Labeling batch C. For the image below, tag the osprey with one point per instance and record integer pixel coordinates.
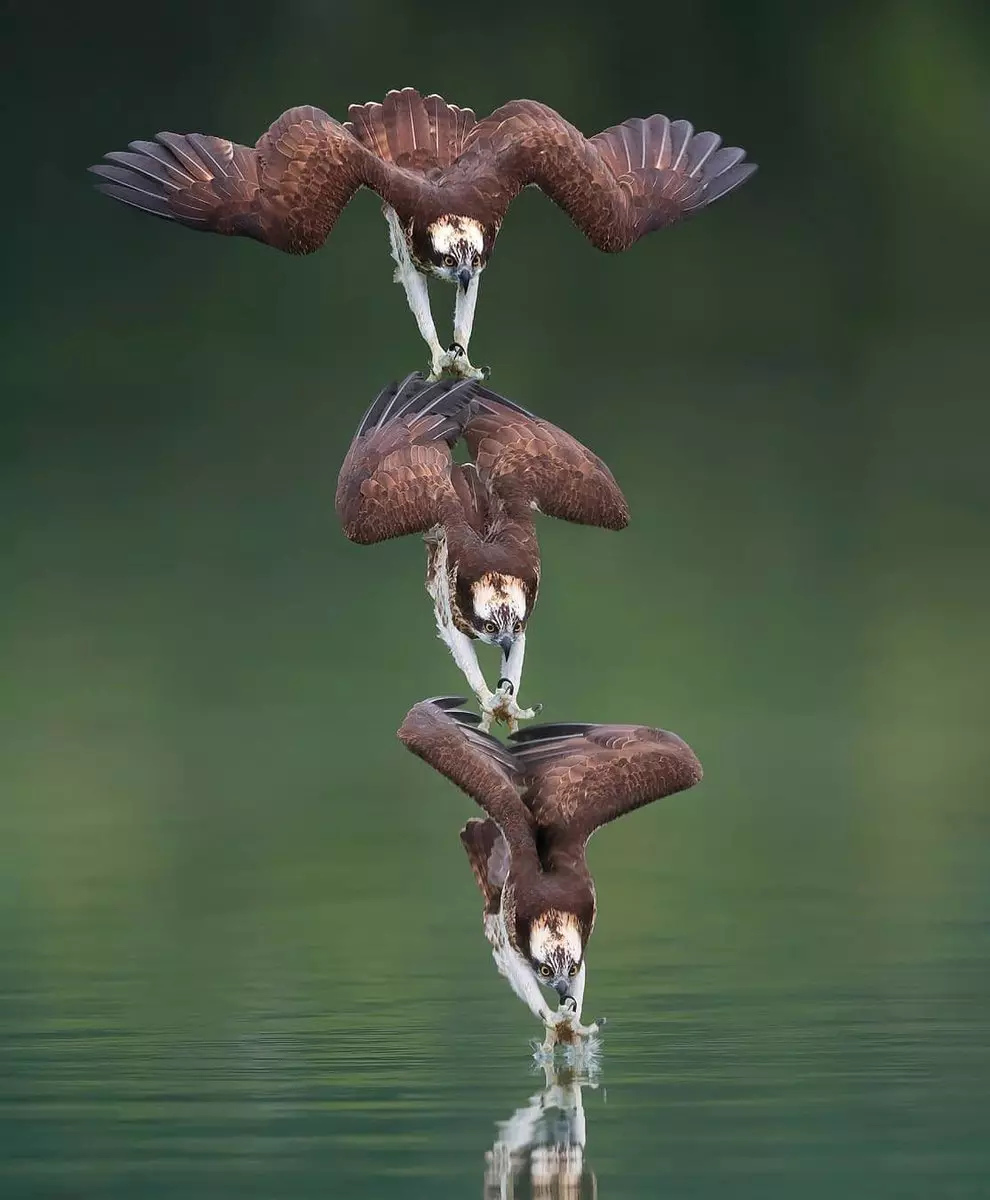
(545, 794)
(446, 181)
(483, 559)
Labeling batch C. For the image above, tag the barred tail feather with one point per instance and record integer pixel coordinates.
(408, 129)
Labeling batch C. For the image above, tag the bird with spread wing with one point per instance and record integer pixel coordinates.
(483, 559)
(446, 181)
(544, 795)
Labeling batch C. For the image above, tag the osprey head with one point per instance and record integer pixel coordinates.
(556, 949)
(456, 249)
(498, 609)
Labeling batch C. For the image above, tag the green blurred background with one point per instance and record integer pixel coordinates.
(240, 950)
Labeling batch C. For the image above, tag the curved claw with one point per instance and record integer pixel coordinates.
(456, 349)
(508, 689)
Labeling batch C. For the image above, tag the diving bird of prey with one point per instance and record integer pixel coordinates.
(545, 794)
(483, 559)
(446, 181)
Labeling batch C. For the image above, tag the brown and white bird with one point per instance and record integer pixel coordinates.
(446, 181)
(483, 559)
(544, 794)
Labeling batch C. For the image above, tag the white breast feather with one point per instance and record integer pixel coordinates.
(508, 960)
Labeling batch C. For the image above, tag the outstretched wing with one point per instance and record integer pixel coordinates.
(287, 190)
(617, 186)
(396, 476)
(580, 777)
(564, 479)
(444, 736)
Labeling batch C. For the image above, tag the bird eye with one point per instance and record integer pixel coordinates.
(476, 261)
(518, 627)
(545, 971)
(572, 970)
(490, 627)
(449, 260)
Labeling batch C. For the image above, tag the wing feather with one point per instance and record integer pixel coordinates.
(580, 777)
(396, 477)
(515, 449)
(476, 763)
(287, 191)
(616, 186)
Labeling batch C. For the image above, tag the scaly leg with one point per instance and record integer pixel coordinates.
(462, 649)
(573, 1002)
(417, 292)
(508, 685)
(464, 305)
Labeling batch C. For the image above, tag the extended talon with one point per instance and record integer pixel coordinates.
(454, 362)
(564, 1028)
(508, 689)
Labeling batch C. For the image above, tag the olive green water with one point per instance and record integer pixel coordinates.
(240, 947)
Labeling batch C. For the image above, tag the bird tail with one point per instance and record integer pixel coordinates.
(410, 130)
(488, 855)
(680, 164)
(473, 495)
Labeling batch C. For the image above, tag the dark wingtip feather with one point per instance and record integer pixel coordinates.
(415, 395)
(542, 733)
(446, 702)
(483, 396)
(464, 716)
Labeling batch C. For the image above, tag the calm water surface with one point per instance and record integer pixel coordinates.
(214, 991)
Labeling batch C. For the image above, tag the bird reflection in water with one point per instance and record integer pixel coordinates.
(545, 1141)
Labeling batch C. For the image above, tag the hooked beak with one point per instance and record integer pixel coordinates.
(465, 275)
(561, 988)
(506, 642)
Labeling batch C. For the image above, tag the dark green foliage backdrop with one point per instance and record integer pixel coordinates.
(203, 808)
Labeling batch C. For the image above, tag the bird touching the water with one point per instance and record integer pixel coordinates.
(544, 795)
